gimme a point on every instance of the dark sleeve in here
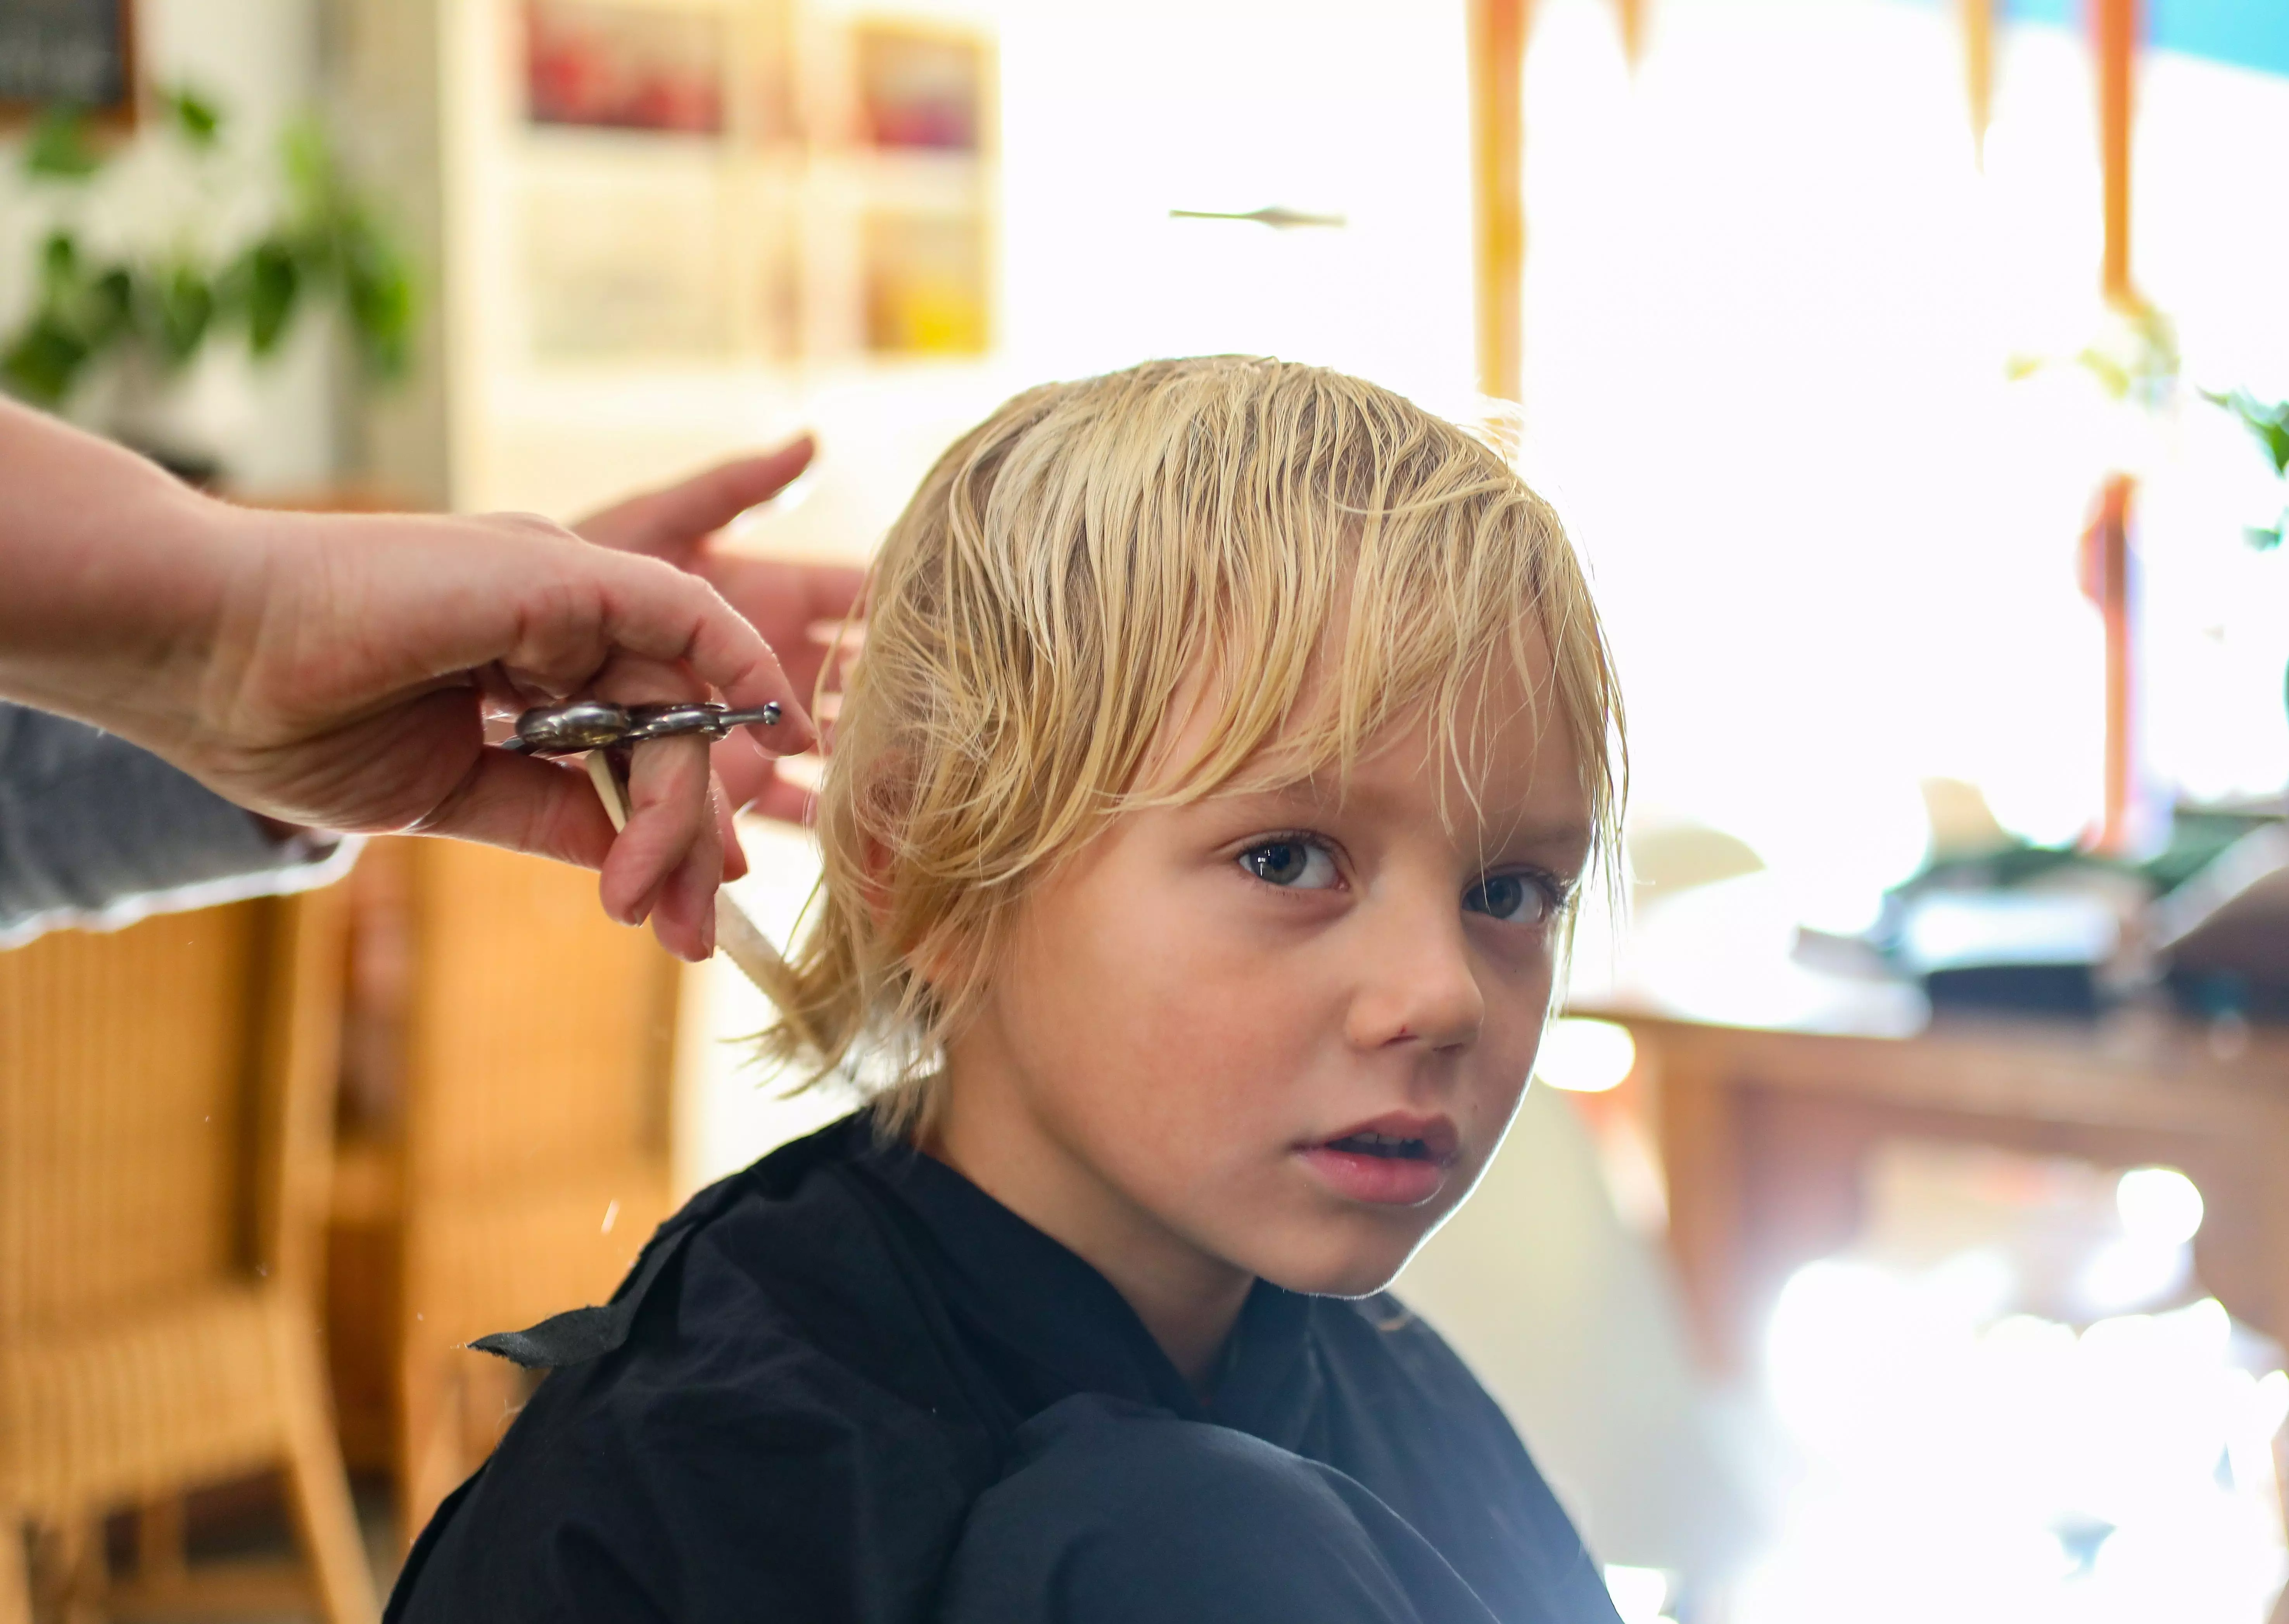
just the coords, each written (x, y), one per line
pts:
(95, 831)
(1118, 1515)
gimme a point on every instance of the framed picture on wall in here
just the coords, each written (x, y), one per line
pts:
(74, 52)
(921, 86)
(928, 286)
(615, 65)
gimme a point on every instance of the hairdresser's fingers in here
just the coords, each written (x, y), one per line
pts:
(669, 847)
(684, 916)
(672, 819)
(666, 617)
(799, 606)
(675, 521)
(525, 805)
(727, 832)
(576, 610)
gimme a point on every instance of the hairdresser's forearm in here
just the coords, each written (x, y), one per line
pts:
(113, 574)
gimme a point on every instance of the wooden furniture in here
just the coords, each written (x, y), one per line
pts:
(504, 1148)
(1763, 1135)
(165, 1093)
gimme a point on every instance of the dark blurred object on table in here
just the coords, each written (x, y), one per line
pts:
(2225, 932)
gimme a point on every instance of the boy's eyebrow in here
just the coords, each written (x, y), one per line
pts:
(1567, 834)
(1564, 841)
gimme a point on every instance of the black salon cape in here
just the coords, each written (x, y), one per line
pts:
(818, 1366)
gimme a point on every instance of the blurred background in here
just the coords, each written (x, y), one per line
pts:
(1902, 1230)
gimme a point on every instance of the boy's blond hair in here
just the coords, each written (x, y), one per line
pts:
(1310, 556)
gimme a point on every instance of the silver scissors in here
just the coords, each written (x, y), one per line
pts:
(593, 724)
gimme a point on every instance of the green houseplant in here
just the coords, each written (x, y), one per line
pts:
(2271, 425)
(304, 236)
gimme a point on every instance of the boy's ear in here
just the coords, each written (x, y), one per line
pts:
(875, 865)
(875, 870)
(933, 960)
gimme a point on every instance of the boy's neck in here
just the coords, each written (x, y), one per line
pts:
(1187, 1300)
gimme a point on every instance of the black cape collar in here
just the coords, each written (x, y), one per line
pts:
(849, 1315)
(1047, 1325)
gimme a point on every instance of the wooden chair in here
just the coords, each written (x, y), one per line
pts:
(165, 1097)
(507, 1150)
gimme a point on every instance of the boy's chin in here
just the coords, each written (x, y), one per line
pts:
(1360, 1269)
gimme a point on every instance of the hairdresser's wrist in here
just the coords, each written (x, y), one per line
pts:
(116, 574)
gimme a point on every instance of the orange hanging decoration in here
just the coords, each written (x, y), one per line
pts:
(1498, 29)
(1979, 71)
(1631, 16)
(2106, 583)
(2114, 40)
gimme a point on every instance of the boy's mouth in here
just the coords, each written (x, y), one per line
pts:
(1396, 1161)
(1400, 1135)
(1383, 1144)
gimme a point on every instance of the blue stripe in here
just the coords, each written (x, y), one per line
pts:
(2247, 33)
(2251, 33)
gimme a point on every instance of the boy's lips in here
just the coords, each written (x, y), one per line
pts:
(1397, 1159)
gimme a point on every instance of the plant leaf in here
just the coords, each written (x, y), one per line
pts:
(273, 280)
(58, 148)
(2112, 376)
(309, 161)
(59, 268)
(2269, 424)
(377, 292)
(183, 308)
(44, 359)
(108, 308)
(197, 119)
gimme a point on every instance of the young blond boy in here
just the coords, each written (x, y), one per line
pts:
(1229, 743)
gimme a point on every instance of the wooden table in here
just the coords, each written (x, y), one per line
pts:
(1764, 1135)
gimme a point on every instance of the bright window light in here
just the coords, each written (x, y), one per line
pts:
(2131, 1273)
(1638, 1593)
(1584, 1056)
(2159, 1206)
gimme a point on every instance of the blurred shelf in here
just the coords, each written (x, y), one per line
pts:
(906, 178)
(657, 285)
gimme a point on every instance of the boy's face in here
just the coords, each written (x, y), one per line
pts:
(1277, 1034)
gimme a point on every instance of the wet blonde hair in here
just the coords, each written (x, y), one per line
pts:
(1310, 556)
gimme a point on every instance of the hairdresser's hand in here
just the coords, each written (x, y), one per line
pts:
(796, 606)
(336, 670)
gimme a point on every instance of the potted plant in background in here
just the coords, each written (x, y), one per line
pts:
(2271, 425)
(226, 248)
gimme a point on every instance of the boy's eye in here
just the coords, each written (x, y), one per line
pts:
(1515, 899)
(1296, 865)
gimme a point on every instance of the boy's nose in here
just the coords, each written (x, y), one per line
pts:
(1418, 986)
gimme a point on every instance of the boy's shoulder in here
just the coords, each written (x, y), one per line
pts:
(767, 1377)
